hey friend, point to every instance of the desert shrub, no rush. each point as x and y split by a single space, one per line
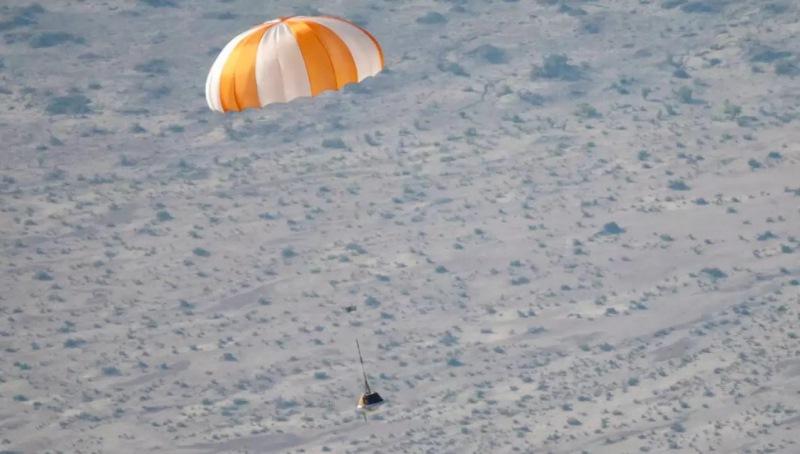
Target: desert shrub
22 18
74 104
356 248
572 11
591 25
557 66
448 339
453 68
766 236
669 4
520 280
769 55
491 54
606 347
160 3
454 362
200 252
677 427
432 17
528 96
74 343
678 185
125 161
371 301
157 92
334 143
775 8
43 276
164 216
707 7
714 273
587 111
685 95
731 110
787 68
226 15
111 371
153 67
612 228
51 39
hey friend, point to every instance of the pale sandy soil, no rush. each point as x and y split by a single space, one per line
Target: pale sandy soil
594 253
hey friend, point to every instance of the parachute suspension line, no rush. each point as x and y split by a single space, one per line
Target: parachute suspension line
363 371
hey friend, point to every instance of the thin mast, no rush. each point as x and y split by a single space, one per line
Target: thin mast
363 371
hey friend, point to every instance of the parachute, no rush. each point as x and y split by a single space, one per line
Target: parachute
288 58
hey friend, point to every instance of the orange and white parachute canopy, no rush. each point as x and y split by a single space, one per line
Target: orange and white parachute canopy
288 58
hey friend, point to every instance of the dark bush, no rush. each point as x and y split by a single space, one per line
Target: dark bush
52 39
160 3
612 229
491 54
557 66
154 66
432 17
200 252
69 105
678 185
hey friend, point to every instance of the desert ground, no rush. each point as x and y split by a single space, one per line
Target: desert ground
554 226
